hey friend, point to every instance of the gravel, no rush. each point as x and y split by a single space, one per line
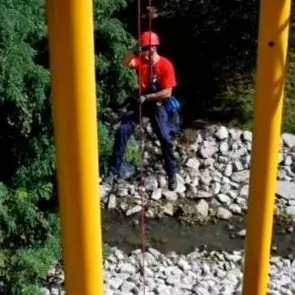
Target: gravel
214 167
214 177
199 273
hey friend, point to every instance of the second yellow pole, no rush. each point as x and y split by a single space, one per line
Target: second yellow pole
71 44
271 62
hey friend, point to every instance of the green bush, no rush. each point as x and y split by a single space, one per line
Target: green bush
215 58
29 223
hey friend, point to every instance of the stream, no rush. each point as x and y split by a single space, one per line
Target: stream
168 234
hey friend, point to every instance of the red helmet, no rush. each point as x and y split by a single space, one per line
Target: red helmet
149 39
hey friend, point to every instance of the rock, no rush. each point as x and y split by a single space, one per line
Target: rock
162 181
236 209
247 135
127 268
224 148
224 199
288 160
221 133
162 290
184 265
169 209
242 233
207 152
112 202
105 190
288 139
290 210
157 194
170 195
202 208
118 254
45 291
286 190
150 183
193 164
200 291
204 195
238 166
205 177
180 185
122 190
115 283
241 176
228 170
133 210
244 191
216 188
223 213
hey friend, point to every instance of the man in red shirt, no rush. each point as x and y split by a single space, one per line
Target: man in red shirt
156 81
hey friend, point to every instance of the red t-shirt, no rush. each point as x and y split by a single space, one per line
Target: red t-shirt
163 69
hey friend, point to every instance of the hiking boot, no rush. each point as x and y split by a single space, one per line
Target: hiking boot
172 183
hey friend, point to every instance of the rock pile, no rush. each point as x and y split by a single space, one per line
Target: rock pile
213 176
200 272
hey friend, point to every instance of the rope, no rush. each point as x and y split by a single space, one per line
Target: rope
142 221
141 187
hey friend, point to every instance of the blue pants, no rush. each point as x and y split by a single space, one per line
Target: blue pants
159 120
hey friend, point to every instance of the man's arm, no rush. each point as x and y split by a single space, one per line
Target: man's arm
162 94
130 60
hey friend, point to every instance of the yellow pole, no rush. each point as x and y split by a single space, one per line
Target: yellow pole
74 113
272 51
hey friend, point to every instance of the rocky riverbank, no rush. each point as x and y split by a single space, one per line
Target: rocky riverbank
213 178
200 273
203 254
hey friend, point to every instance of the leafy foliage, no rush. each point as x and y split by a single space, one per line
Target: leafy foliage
29 224
28 235
213 44
112 42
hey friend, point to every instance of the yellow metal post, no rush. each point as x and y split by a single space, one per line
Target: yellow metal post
71 44
271 63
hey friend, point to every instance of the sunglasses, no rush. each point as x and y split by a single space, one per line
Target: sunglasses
145 48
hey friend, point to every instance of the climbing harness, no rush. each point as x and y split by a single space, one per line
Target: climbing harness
171 104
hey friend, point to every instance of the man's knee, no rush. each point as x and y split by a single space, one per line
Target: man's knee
123 133
124 129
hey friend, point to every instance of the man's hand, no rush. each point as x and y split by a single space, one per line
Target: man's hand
143 98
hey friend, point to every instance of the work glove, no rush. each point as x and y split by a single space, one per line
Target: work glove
143 98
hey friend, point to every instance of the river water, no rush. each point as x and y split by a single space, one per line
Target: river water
168 234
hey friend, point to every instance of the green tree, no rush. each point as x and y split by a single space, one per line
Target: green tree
28 233
29 223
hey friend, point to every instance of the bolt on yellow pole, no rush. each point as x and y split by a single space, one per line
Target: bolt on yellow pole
71 45
271 72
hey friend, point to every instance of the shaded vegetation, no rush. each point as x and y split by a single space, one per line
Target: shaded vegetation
213 45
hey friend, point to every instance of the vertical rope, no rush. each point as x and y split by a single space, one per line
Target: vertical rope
150 13
142 220
141 187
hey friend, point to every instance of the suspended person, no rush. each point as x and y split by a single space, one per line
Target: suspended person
158 103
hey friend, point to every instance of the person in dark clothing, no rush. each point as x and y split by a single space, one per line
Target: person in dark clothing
157 80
